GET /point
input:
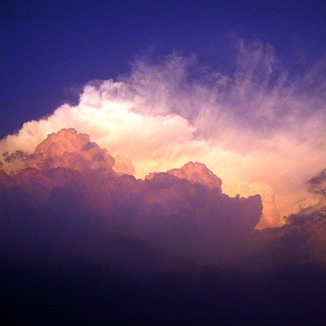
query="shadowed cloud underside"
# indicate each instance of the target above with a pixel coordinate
(69, 204)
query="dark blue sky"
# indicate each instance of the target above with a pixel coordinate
(49, 49)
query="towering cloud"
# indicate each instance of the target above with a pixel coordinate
(259, 128)
(181, 213)
(69, 198)
(74, 231)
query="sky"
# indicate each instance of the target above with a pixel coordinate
(158, 150)
(50, 49)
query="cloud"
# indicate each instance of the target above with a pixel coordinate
(260, 124)
(71, 150)
(317, 184)
(197, 173)
(70, 192)
(68, 204)
(74, 232)
(270, 215)
(301, 241)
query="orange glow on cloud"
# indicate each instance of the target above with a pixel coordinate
(68, 189)
(259, 135)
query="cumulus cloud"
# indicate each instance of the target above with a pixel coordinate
(260, 125)
(68, 149)
(197, 173)
(301, 241)
(270, 215)
(68, 204)
(69, 186)
(74, 232)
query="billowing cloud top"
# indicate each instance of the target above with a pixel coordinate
(68, 149)
(67, 169)
(74, 187)
(197, 173)
(68, 204)
(261, 129)
(80, 242)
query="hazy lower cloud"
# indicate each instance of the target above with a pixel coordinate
(260, 129)
(68, 204)
(69, 192)
(80, 242)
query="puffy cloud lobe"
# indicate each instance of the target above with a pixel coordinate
(270, 215)
(123, 165)
(69, 149)
(197, 173)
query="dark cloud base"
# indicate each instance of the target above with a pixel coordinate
(43, 294)
(83, 245)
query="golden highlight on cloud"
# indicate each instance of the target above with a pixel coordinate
(79, 230)
(69, 204)
(260, 129)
